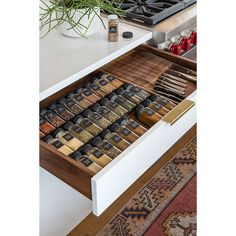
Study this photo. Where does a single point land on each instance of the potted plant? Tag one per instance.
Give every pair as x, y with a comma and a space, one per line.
75, 18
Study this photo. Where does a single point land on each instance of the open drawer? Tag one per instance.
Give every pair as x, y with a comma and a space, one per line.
109, 183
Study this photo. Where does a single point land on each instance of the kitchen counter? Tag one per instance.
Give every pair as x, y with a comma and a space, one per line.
64, 60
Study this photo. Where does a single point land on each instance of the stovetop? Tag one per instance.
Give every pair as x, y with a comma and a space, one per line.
151, 12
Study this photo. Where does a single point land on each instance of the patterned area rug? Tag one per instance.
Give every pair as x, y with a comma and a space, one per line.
166, 205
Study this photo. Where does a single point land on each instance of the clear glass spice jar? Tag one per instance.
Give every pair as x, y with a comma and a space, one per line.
81, 134
66, 138
71, 105
124, 132
129, 95
61, 111
106, 147
96, 155
91, 165
52, 118
137, 91
88, 94
112, 80
113, 28
57, 144
80, 100
104, 85
147, 115
133, 126
96, 89
45, 126
163, 101
96, 118
87, 125
157, 107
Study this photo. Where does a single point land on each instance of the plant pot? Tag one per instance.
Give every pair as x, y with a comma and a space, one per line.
88, 24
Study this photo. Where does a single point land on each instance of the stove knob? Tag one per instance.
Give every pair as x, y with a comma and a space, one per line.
175, 49
185, 44
193, 37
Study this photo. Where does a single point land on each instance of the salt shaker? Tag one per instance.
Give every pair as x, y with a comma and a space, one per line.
113, 24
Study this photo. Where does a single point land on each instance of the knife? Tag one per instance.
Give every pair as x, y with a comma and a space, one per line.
181, 75
164, 78
183, 69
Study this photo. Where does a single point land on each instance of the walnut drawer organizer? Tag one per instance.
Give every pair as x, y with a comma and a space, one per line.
107, 185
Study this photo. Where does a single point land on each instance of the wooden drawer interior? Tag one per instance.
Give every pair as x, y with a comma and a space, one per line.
142, 74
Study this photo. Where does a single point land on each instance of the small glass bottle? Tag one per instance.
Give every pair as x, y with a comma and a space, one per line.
163, 101
113, 28
128, 105
94, 167
113, 106
112, 80
129, 95
67, 139
97, 119
71, 105
147, 115
41, 134
137, 91
88, 94
81, 134
104, 85
95, 155
96, 89
52, 118
87, 125
115, 140
45, 126
61, 111
133, 126
157, 107
106, 147
124, 132
105, 112
80, 100
57, 144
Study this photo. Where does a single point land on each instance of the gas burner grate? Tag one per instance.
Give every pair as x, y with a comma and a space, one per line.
152, 11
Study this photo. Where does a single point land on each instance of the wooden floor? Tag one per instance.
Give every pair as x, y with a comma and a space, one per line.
92, 224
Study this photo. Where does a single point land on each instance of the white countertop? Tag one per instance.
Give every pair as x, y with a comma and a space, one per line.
64, 60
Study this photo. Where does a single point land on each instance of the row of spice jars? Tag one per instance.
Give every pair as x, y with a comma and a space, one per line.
153, 109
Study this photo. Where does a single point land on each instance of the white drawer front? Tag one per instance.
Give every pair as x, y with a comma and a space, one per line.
122, 172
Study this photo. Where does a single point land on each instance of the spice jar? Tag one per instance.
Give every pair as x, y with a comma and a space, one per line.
104, 85
137, 91
163, 101
96, 89
147, 115
41, 134
61, 111
113, 25
70, 105
106, 147
113, 106
124, 102
97, 119
96, 155
55, 143
45, 126
88, 94
81, 134
133, 126
129, 95
80, 100
67, 139
124, 132
105, 112
94, 167
157, 107
114, 139
87, 125
112, 80
52, 118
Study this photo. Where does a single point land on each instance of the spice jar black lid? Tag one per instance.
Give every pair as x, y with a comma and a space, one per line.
86, 148
76, 155
94, 79
71, 95
104, 133
77, 118
139, 109
55, 132
147, 102
95, 107
110, 96
100, 74
126, 85
96, 140
87, 85
86, 112
78, 90
127, 34
43, 111
154, 97
123, 121
113, 127
53, 105
61, 99
47, 138
120, 91
104, 101
67, 125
